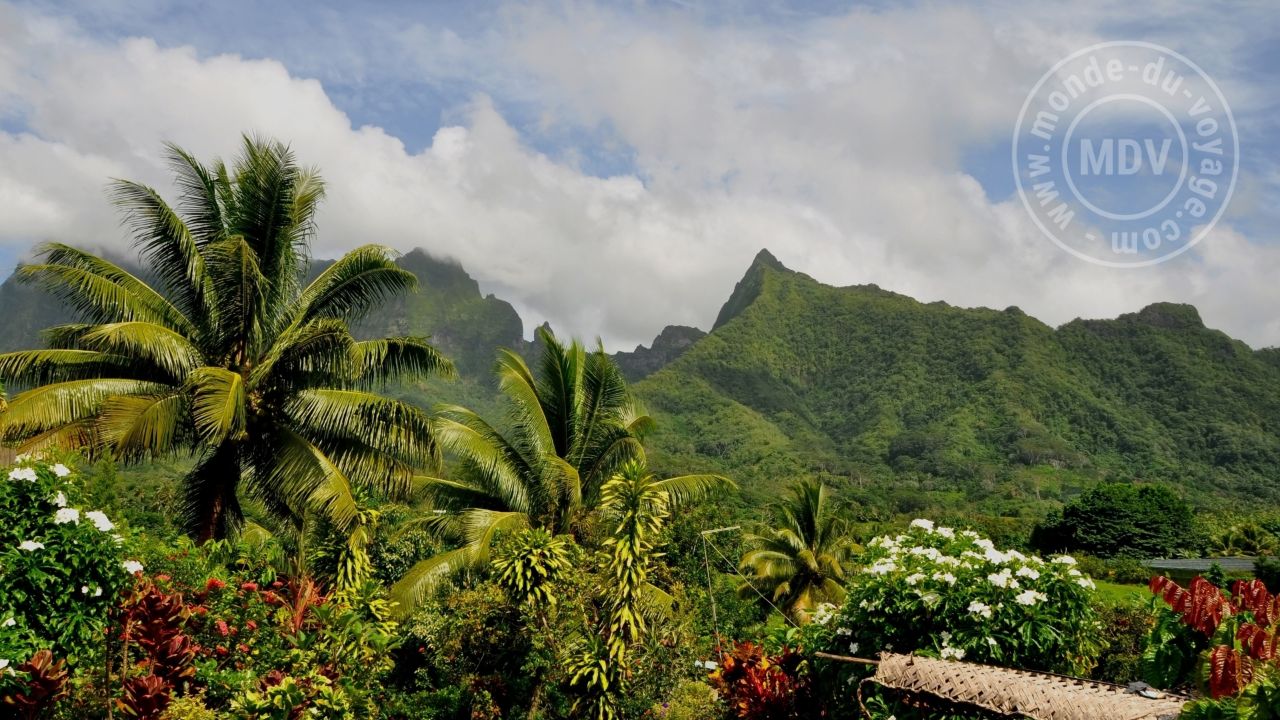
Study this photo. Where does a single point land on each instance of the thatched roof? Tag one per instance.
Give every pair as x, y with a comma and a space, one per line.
1021, 693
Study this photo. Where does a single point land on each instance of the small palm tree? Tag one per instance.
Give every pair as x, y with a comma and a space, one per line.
568, 430
229, 356
800, 563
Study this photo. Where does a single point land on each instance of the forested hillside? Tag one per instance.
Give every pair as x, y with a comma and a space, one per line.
904, 404
915, 404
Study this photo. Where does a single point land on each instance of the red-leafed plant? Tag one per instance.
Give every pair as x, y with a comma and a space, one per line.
46, 684
1239, 647
1201, 605
759, 686
152, 624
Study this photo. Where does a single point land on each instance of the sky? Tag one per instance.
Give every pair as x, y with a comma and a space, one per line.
613, 167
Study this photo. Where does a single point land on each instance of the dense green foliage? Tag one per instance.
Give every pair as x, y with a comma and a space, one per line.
801, 562
952, 594
913, 407
1113, 519
61, 567
567, 429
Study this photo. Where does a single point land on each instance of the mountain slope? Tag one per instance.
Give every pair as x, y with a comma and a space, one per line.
911, 402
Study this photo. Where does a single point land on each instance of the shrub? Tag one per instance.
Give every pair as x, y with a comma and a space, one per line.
691, 700
1112, 519
949, 594
1225, 643
1126, 629
1267, 569
189, 707
61, 571
757, 685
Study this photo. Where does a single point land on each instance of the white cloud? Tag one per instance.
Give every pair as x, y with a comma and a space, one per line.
839, 144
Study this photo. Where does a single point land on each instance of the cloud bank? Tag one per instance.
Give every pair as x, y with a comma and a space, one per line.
855, 147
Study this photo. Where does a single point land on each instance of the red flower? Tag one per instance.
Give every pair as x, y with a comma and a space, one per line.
221, 626
249, 586
251, 625
162, 578
243, 648
214, 584
221, 650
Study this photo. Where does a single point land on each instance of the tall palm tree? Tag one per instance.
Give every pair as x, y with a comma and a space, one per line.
568, 429
800, 563
229, 356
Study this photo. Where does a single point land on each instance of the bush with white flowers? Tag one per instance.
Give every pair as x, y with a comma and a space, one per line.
62, 567
952, 594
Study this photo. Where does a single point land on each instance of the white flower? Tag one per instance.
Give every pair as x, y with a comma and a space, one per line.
950, 652
60, 499
67, 515
9, 623
1030, 597
824, 613
1065, 560
853, 648
931, 598
915, 578
1015, 555
4, 665
946, 532
133, 567
969, 533
1003, 579
980, 608
23, 473
61, 470
946, 637
984, 543
97, 592
843, 631
995, 556
30, 545
882, 567
926, 525
100, 520
84, 589
1027, 572
1085, 583
1074, 572
945, 577
991, 641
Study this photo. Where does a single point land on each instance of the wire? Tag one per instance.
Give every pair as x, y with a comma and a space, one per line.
745, 579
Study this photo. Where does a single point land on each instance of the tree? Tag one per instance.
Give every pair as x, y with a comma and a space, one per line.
1143, 521
567, 431
228, 356
800, 563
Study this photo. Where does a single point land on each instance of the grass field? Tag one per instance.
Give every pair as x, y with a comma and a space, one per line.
1117, 594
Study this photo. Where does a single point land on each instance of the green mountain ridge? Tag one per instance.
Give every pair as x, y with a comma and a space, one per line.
904, 404
916, 403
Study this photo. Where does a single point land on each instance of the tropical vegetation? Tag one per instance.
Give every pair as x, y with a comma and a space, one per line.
226, 353
230, 503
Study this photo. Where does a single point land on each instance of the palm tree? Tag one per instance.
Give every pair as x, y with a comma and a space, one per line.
800, 563
228, 356
568, 430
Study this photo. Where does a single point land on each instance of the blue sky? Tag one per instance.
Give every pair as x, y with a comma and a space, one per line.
573, 156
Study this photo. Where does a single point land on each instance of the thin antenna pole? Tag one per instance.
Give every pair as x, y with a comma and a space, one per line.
711, 595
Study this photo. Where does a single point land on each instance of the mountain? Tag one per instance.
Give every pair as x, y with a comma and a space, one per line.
906, 406
464, 324
670, 344
912, 405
